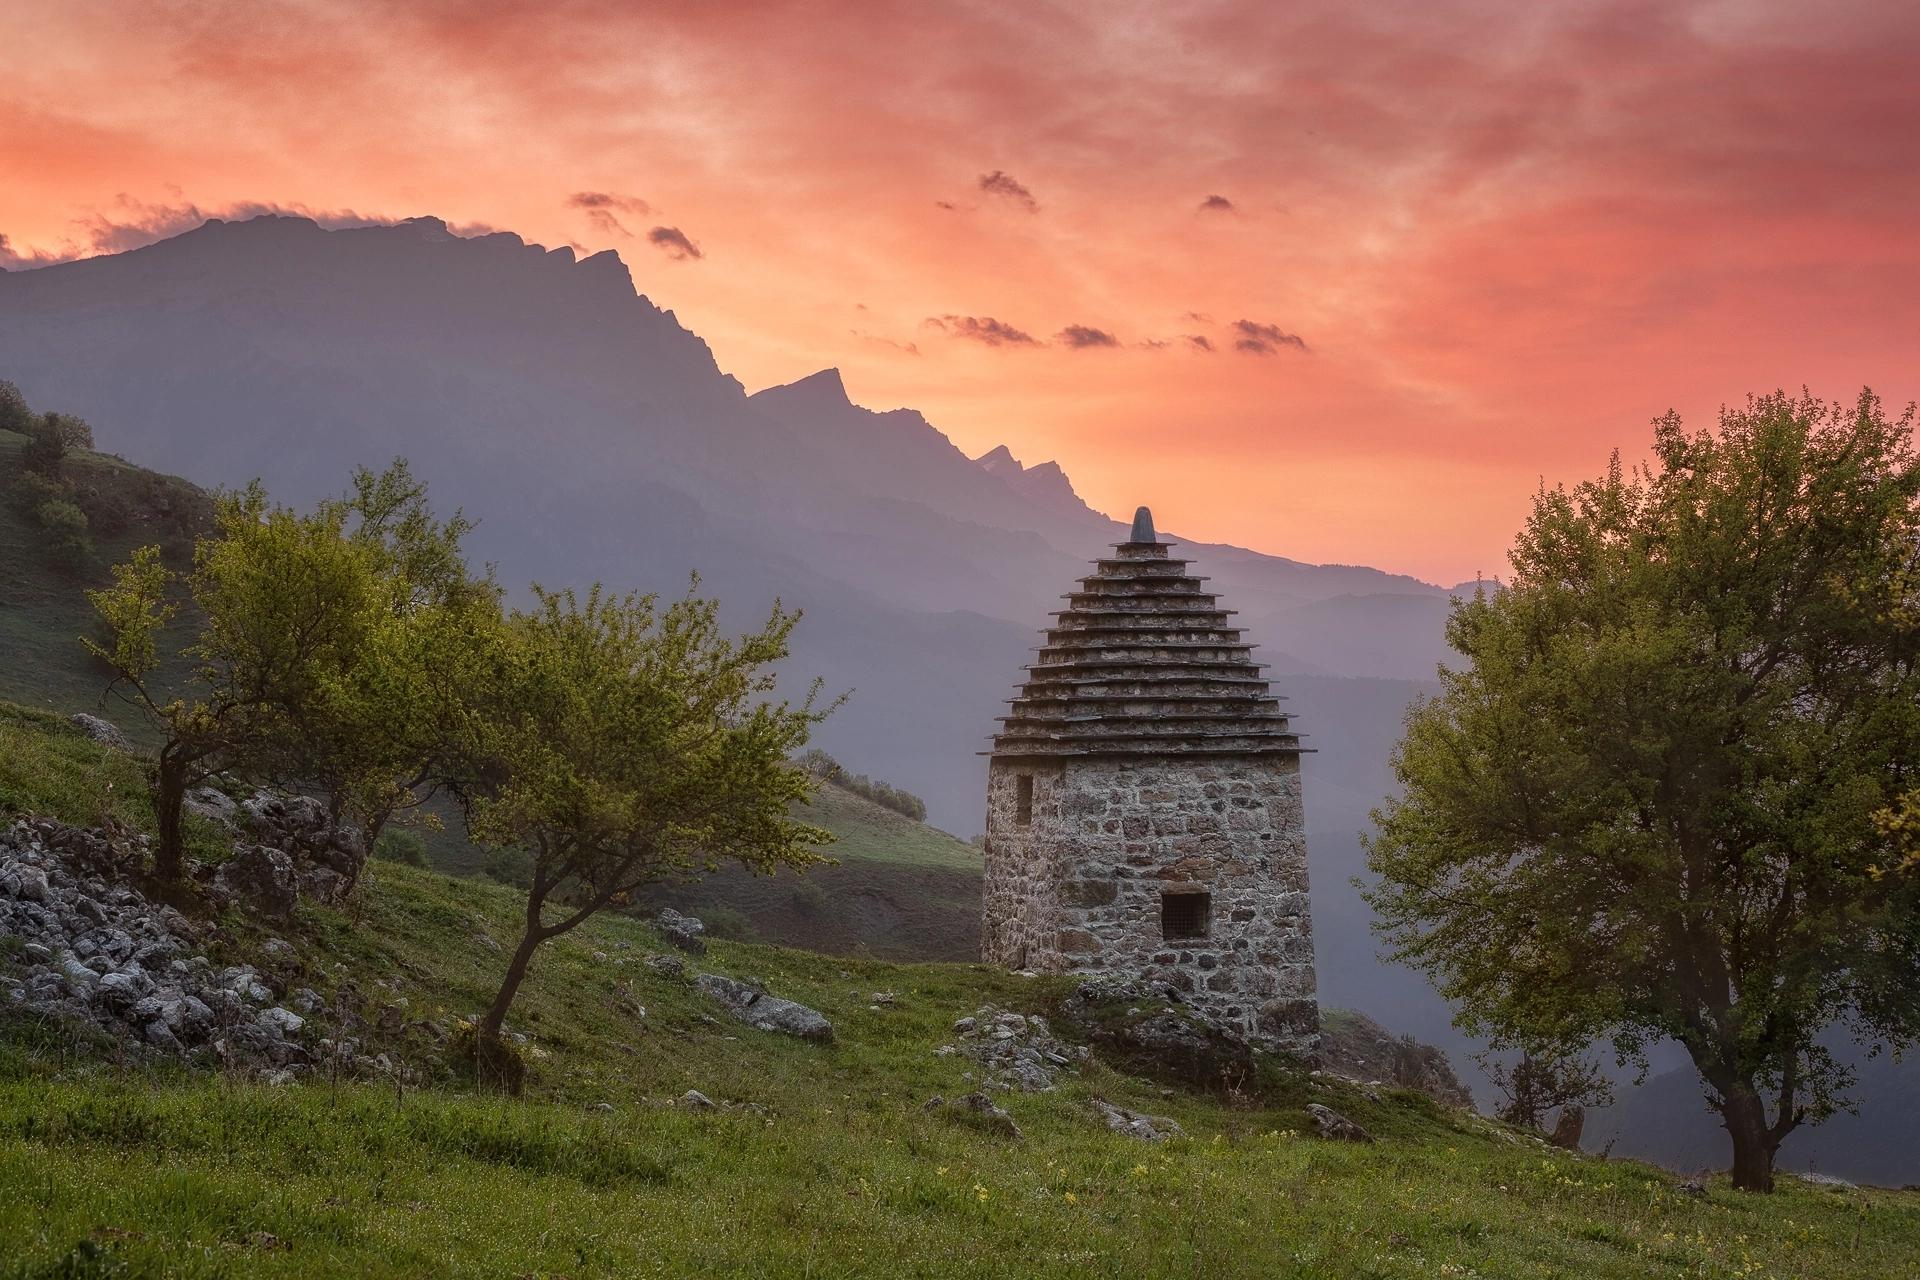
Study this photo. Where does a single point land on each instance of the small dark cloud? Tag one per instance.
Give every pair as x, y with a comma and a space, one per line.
1198, 317
1154, 344
904, 348
1263, 339
674, 243
603, 210
1001, 183
985, 330
1200, 342
1216, 204
948, 205
1080, 337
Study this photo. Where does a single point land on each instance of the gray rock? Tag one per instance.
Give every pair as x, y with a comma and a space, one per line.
104, 732
262, 878
667, 966
281, 1022
696, 1100
212, 804
683, 932
766, 1012
32, 884
1335, 1127
980, 1110
1135, 1124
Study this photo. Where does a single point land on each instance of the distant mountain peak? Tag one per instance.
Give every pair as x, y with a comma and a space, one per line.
1000, 461
825, 388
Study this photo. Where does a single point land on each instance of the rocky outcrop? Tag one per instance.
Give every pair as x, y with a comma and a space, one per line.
979, 1111
99, 956
327, 856
1014, 1050
104, 732
683, 932
1335, 1127
753, 1006
1135, 1124
1147, 1027
1355, 1047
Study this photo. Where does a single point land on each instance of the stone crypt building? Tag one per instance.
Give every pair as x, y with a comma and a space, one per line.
1143, 806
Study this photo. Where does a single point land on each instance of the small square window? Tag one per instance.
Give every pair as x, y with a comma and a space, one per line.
1184, 915
1023, 799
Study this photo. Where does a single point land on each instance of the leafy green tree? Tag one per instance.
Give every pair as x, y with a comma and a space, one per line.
377, 737
316, 630
1654, 802
15, 414
624, 743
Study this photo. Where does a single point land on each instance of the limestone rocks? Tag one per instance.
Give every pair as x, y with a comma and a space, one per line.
327, 856
682, 931
756, 1008
1134, 1124
103, 957
1335, 1127
262, 878
104, 732
1015, 1051
978, 1110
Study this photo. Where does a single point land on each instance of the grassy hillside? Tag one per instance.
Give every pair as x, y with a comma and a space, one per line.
902, 889
43, 603
821, 1160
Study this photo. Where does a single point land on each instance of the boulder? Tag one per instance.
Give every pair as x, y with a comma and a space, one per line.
682, 931
978, 1110
104, 732
1135, 1124
1335, 1127
212, 804
756, 1008
262, 878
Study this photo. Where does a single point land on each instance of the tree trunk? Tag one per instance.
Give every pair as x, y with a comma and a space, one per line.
496, 1064
169, 798
1754, 1144
510, 985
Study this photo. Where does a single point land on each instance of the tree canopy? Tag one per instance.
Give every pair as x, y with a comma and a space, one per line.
1662, 797
620, 742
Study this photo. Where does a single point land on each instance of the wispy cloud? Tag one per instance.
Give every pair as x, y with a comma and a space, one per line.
1259, 339
674, 243
985, 330
1200, 342
1001, 183
1216, 204
1080, 337
603, 210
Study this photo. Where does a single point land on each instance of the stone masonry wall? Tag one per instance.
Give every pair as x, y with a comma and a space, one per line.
1078, 889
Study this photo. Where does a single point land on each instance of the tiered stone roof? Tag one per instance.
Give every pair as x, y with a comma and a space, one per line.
1143, 662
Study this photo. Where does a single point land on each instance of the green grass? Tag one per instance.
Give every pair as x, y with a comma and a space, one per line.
837, 1171
865, 830
43, 604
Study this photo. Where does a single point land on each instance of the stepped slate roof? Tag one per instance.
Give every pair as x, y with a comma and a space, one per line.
1144, 662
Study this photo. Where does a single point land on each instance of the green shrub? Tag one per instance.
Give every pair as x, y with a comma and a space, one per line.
15, 415
510, 867
65, 525
397, 844
725, 922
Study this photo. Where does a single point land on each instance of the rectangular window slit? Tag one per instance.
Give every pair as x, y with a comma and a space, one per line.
1184, 915
1023, 799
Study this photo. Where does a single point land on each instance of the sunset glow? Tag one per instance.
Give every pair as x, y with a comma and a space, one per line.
1338, 287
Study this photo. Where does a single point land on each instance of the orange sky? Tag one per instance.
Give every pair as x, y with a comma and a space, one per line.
1505, 236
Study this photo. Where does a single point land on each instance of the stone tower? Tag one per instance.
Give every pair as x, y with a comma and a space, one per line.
1143, 805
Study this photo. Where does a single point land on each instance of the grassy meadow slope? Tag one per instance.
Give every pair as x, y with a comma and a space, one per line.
43, 603
821, 1160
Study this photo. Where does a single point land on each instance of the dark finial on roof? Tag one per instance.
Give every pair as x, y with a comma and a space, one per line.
1142, 527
